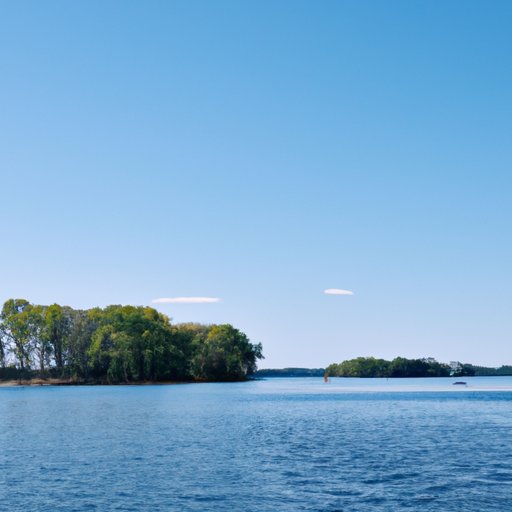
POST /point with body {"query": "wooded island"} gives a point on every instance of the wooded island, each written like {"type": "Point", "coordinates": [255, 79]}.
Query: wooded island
{"type": "Point", "coordinates": [118, 344]}
{"type": "Point", "coordinates": [398, 367]}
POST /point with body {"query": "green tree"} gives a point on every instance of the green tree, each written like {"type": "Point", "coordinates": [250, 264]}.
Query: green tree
{"type": "Point", "coordinates": [399, 367]}
{"type": "Point", "coordinates": [3, 348]}
{"type": "Point", "coordinates": [136, 343]}
{"type": "Point", "coordinates": [42, 349]}
{"type": "Point", "coordinates": [57, 324]}
{"type": "Point", "coordinates": [225, 354]}
{"type": "Point", "coordinates": [82, 326]}
{"type": "Point", "coordinates": [361, 367]}
{"type": "Point", "coordinates": [120, 344]}
{"type": "Point", "coordinates": [17, 328]}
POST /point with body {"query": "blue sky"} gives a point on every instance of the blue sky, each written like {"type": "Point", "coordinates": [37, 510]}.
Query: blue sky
{"type": "Point", "coordinates": [260, 153]}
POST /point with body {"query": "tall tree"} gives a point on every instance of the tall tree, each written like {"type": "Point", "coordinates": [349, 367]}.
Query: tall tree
{"type": "Point", "coordinates": [83, 324]}
{"type": "Point", "coordinates": [226, 354]}
{"type": "Point", "coordinates": [121, 344]}
{"type": "Point", "coordinates": [2, 349]}
{"type": "Point", "coordinates": [17, 328]}
{"type": "Point", "coordinates": [57, 324]}
{"type": "Point", "coordinates": [40, 345]}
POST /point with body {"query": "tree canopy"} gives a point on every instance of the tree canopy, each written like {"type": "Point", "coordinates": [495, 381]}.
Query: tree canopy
{"type": "Point", "coordinates": [398, 367]}
{"type": "Point", "coordinates": [118, 344]}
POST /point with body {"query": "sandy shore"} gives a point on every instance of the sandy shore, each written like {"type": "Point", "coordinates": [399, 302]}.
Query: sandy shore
{"type": "Point", "coordinates": [68, 382]}
{"type": "Point", "coordinates": [37, 382]}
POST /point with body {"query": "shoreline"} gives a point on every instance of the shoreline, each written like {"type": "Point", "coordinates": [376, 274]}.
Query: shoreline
{"type": "Point", "coordinates": [13, 383]}
{"type": "Point", "coordinates": [65, 382]}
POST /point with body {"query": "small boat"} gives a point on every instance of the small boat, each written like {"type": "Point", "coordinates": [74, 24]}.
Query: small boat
{"type": "Point", "coordinates": [460, 383]}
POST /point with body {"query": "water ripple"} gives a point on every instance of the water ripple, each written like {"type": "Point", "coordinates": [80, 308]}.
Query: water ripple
{"type": "Point", "coordinates": [253, 447]}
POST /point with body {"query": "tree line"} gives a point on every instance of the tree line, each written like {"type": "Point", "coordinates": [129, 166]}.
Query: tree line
{"type": "Point", "coordinates": [398, 367]}
{"type": "Point", "coordinates": [484, 371]}
{"type": "Point", "coordinates": [118, 344]}
{"type": "Point", "coordinates": [291, 372]}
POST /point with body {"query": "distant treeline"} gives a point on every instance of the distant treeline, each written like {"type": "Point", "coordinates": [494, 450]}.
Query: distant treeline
{"type": "Point", "coordinates": [118, 344]}
{"type": "Point", "coordinates": [290, 372]}
{"type": "Point", "coordinates": [398, 367]}
{"type": "Point", "coordinates": [483, 371]}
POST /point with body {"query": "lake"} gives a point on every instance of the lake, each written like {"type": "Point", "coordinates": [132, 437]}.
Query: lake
{"type": "Point", "coordinates": [271, 445]}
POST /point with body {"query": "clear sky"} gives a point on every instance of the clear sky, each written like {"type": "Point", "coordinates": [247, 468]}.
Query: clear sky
{"type": "Point", "coordinates": [261, 152]}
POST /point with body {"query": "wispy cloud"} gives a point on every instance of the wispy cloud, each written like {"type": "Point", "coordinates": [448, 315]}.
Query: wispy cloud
{"type": "Point", "coordinates": [186, 300]}
{"type": "Point", "coordinates": [338, 291]}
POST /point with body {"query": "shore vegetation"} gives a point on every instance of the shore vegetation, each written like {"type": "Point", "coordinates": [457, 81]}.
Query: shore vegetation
{"type": "Point", "coordinates": [118, 344]}
{"type": "Point", "coordinates": [398, 367]}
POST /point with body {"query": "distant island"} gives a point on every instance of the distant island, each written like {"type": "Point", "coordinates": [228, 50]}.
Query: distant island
{"type": "Point", "coordinates": [290, 372]}
{"type": "Point", "coordinates": [371, 367]}
{"type": "Point", "coordinates": [117, 344]}
{"type": "Point", "coordinates": [402, 367]}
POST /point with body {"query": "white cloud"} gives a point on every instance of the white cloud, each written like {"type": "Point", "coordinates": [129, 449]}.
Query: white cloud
{"type": "Point", "coordinates": [186, 300]}
{"type": "Point", "coordinates": [337, 291]}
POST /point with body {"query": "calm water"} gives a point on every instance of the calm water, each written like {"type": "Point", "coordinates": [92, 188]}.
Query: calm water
{"type": "Point", "coordinates": [273, 445]}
